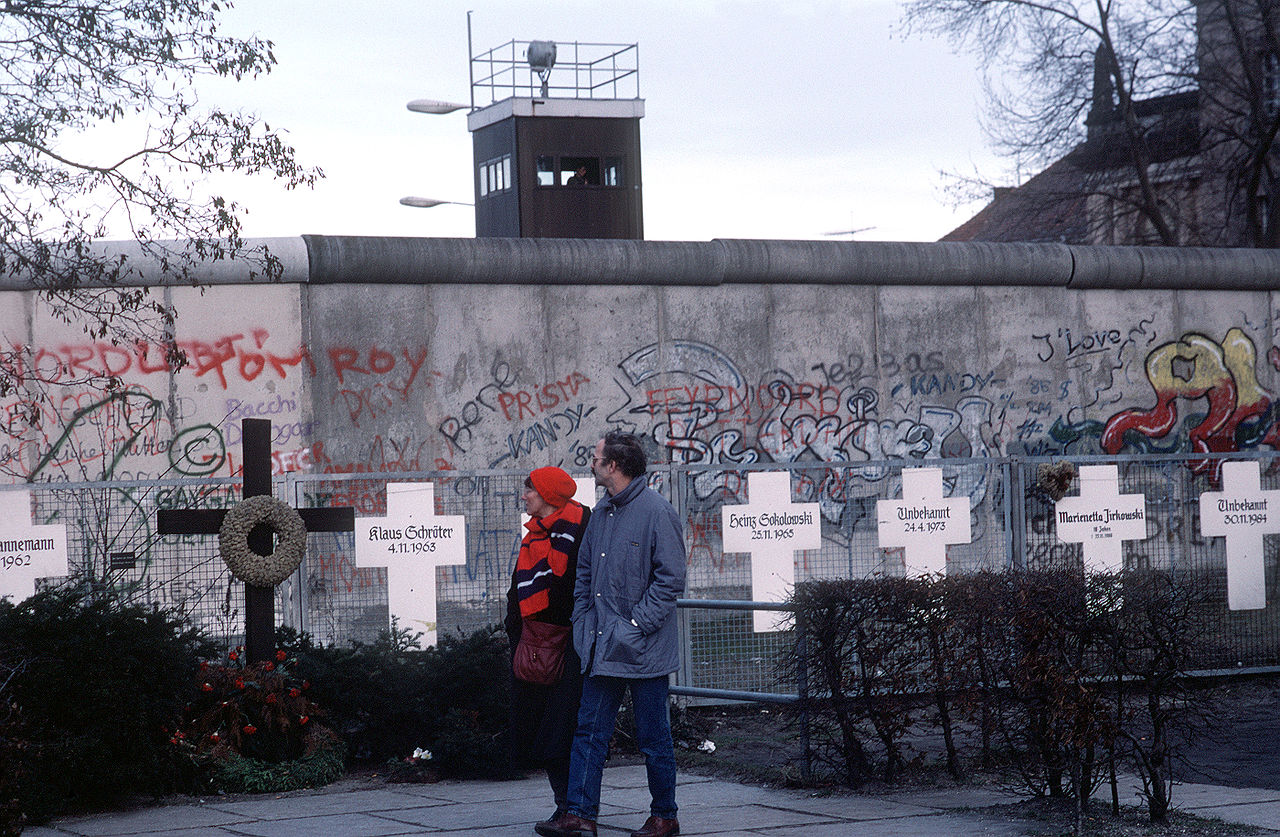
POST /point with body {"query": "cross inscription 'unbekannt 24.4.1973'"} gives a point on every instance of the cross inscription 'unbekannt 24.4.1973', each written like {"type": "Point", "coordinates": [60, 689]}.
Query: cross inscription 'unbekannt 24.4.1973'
{"type": "Point", "coordinates": [259, 602]}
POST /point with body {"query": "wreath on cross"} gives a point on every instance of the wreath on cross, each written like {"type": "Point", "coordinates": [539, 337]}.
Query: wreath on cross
{"type": "Point", "coordinates": [291, 540]}
{"type": "Point", "coordinates": [1055, 479]}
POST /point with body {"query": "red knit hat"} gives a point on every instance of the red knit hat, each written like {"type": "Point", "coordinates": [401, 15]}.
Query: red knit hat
{"type": "Point", "coordinates": [553, 485]}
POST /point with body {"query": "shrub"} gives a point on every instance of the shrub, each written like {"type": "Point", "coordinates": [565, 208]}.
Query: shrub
{"type": "Point", "coordinates": [392, 697]}
{"type": "Point", "coordinates": [1042, 661]}
{"type": "Point", "coordinates": [97, 683]}
{"type": "Point", "coordinates": [862, 649]}
{"type": "Point", "coordinates": [12, 742]}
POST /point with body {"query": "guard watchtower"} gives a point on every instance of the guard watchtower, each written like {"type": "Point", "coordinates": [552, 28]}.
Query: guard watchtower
{"type": "Point", "coordinates": [556, 139]}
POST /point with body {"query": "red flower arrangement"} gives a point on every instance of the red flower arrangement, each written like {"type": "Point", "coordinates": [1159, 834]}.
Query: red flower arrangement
{"type": "Point", "coordinates": [257, 710]}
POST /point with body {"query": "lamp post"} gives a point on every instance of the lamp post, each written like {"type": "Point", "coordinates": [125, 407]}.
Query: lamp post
{"type": "Point", "coordinates": [427, 203]}
{"type": "Point", "coordinates": [433, 106]}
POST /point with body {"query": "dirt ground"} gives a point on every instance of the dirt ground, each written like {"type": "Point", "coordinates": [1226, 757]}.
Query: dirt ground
{"type": "Point", "coordinates": [1242, 747]}
{"type": "Point", "coordinates": [1238, 746]}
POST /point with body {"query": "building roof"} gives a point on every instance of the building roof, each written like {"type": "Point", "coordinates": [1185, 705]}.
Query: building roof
{"type": "Point", "coordinates": [1052, 205]}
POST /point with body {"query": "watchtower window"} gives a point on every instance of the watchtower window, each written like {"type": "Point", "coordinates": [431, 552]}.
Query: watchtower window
{"type": "Point", "coordinates": [579, 171]}
{"type": "Point", "coordinates": [495, 175]}
{"type": "Point", "coordinates": [546, 170]}
{"type": "Point", "coordinates": [613, 172]}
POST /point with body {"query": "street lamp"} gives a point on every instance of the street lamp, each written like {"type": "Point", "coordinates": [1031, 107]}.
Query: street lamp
{"type": "Point", "coordinates": [433, 106]}
{"type": "Point", "coordinates": [427, 203]}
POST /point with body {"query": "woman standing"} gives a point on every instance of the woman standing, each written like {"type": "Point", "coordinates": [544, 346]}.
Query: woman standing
{"type": "Point", "coordinates": [544, 717]}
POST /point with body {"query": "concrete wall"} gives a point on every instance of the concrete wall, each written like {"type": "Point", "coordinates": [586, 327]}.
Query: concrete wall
{"type": "Point", "coordinates": [389, 355]}
{"type": "Point", "coordinates": [380, 376]}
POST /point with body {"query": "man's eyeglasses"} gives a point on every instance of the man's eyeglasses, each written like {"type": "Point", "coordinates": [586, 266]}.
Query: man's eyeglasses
{"type": "Point", "coordinates": [598, 460]}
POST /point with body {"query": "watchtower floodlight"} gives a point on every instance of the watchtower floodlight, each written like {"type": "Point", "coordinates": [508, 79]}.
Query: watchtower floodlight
{"type": "Point", "coordinates": [542, 57]}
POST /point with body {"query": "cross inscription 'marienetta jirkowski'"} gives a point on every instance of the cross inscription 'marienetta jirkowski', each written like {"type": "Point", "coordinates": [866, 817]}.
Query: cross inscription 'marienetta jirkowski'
{"type": "Point", "coordinates": [259, 602]}
{"type": "Point", "coordinates": [1101, 518]}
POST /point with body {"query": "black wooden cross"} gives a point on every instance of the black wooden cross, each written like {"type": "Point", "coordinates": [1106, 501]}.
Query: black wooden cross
{"type": "Point", "coordinates": [259, 602]}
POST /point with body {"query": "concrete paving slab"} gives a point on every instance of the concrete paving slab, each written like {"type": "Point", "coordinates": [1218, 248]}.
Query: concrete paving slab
{"type": "Point", "coordinates": [348, 825]}
{"type": "Point", "coordinates": [183, 832]}
{"type": "Point", "coordinates": [714, 793]}
{"type": "Point", "coordinates": [1265, 815]}
{"type": "Point", "coordinates": [709, 806]}
{"type": "Point", "coordinates": [280, 808]}
{"type": "Point", "coordinates": [634, 776]}
{"type": "Point", "coordinates": [473, 814]}
{"type": "Point", "coordinates": [458, 791]}
{"type": "Point", "coordinates": [149, 821]}
{"type": "Point", "coordinates": [691, 796]}
{"type": "Point", "coordinates": [958, 797]}
{"type": "Point", "coordinates": [742, 818]}
{"type": "Point", "coordinates": [932, 825]}
{"type": "Point", "coordinates": [852, 807]}
{"type": "Point", "coordinates": [520, 830]}
{"type": "Point", "coordinates": [1218, 795]}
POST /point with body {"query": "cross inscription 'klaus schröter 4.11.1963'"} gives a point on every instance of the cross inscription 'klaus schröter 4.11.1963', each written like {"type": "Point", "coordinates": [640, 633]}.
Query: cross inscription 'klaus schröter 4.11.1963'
{"type": "Point", "coordinates": [259, 602]}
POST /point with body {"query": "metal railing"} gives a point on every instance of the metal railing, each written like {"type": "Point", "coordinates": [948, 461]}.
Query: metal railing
{"type": "Point", "coordinates": [581, 71]}
{"type": "Point", "coordinates": [112, 537]}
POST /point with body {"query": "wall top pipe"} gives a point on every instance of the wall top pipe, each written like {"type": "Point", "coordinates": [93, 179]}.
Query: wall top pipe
{"type": "Point", "coordinates": [330, 259]}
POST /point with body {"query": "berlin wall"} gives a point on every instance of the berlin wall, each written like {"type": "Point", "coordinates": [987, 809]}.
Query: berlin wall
{"type": "Point", "coordinates": [378, 373]}
{"type": "Point", "coordinates": [391, 355]}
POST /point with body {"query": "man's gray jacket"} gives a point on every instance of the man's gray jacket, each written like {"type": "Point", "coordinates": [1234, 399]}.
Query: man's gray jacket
{"type": "Point", "coordinates": [630, 567]}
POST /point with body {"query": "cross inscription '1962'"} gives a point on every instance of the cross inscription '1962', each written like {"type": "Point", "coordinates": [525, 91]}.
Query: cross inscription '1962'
{"type": "Point", "coordinates": [259, 602]}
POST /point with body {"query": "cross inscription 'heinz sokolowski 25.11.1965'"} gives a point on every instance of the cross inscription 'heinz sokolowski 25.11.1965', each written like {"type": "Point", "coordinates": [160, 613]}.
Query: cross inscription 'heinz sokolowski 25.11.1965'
{"type": "Point", "coordinates": [259, 602]}
{"type": "Point", "coordinates": [771, 528]}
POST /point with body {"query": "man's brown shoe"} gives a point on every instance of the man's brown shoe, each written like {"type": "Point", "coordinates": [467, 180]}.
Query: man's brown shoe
{"type": "Point", "coordinates": [657, 826]}
{"type": "Point", "coordinates": [545, 827]}
{"type": "Point", "coordinates": [566, 825]}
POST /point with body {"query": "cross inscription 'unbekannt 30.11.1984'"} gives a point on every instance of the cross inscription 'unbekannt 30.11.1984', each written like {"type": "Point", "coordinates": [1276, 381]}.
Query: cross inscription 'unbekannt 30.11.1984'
{"type": "Point", "coordinates": [259, 602]}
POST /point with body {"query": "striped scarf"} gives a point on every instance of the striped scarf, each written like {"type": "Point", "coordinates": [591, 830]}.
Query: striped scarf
{"type": "Point", "coordinates": [544, 555]}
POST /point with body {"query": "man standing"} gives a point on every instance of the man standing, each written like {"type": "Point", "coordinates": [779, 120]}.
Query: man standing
{"type": "Point", "coordinates": [630, 573]}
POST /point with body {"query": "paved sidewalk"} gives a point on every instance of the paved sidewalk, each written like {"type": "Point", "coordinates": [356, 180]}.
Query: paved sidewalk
{"type": "Point", "coordinates": [707, 807]}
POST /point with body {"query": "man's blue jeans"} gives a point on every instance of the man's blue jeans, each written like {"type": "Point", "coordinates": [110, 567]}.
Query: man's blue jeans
{"type": "Point", "coordinates": [601, 697]}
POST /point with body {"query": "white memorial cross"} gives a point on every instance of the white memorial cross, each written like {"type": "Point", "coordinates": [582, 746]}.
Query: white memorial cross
{"type": "Point", "coordinates": [771, 528]}
{"type": "Point", "coordinates": [27, 551]}
{"type": "Point", "coordinates": [1242, 513]}
{"type": "Point", "coordinates": [923, 521]}
{"type": "Point", "coordinates": [1101, 518]}
{"type": "Point", "coordinates": [411, 542]}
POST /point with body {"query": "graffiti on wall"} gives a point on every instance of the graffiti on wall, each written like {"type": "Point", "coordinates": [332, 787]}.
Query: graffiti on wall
{"type": "Point", "coordinates": [357, 406]}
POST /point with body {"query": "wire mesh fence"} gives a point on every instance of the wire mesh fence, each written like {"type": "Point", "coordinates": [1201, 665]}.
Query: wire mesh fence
{"type": "Point", "coordinates": [112, 539]}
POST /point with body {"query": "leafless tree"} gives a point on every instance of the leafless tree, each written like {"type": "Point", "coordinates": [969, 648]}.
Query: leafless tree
{"type": "Point", "coordinates": [122, 73]}
{"type": "Point", "coordinates": [1239, 72]}
{"type": "Point", "coordinates": [1058, 71]}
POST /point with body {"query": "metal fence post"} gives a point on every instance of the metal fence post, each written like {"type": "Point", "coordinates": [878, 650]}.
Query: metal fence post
{"type": "Point", "coordinates": [1016, 509]}
{"type": "Point", "coordinates": [293, 490]}
{"type": "Point", "coordinates": [802, 691]}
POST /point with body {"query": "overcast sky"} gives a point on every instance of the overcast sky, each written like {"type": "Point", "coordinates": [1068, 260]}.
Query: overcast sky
{"type": "Point", "coordinates": [762, 119]}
